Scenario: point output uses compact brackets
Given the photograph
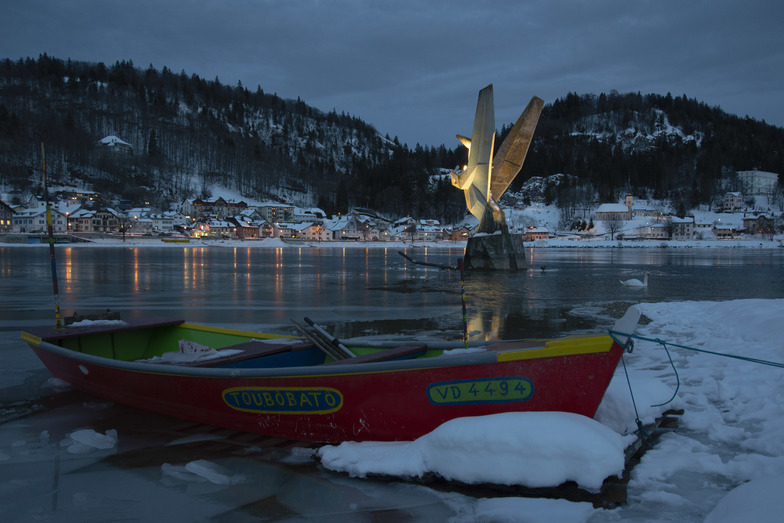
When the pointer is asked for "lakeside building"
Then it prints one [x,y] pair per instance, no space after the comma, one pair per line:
[348,228]
[291,229]
[460,233]
[214,208]
[78,197]
[758,224]
[757,182]
[535,233]
[612,211]
[724,232]
[34,221]
[682,228]
[616,211]
[213,228]
[80,220]
[276,212]
[93,220]
[658,231]
[115,145]
[311,214]
[733,201]
[6,216]
[245,228]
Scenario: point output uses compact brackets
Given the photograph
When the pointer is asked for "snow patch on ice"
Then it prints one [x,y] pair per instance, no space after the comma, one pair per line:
[202,470]
[87,440]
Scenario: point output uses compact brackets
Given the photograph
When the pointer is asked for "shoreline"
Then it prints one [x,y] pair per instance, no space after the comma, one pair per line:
[276,243]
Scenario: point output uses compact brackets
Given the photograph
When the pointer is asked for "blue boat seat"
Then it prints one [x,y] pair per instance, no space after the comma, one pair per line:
[253,349]
[395,353]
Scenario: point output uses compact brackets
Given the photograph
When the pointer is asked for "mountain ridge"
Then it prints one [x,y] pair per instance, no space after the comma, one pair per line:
[189,134]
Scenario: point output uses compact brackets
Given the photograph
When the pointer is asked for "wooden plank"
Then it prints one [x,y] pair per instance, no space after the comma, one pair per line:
[50,333]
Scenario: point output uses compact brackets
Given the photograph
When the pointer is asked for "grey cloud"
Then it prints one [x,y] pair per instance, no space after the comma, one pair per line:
[413,68]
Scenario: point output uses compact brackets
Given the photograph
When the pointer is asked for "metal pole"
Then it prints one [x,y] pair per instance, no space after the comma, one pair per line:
[461,268]
[50,231]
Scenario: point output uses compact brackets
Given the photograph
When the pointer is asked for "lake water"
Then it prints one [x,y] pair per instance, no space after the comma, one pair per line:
[374,291]
[352,292]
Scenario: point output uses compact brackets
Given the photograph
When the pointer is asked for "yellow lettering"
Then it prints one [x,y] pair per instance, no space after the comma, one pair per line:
[305,401]
[330,399]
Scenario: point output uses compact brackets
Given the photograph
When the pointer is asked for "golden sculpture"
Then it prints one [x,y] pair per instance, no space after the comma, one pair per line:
[487,176]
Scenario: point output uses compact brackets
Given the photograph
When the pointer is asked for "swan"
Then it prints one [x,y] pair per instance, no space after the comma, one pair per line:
[635,282]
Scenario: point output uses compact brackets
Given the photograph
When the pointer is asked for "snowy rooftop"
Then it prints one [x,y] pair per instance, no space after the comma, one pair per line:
[112,141]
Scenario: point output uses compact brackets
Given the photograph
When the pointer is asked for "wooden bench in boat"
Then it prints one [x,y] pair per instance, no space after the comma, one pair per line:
[395,353]
[74,331]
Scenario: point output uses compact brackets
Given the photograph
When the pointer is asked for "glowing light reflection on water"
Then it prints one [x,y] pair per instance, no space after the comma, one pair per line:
[357,291]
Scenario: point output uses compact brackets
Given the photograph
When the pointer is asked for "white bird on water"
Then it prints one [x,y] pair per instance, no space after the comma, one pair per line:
[634,282]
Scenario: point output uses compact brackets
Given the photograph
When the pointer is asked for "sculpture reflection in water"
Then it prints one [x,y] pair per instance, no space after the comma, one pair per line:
[486,177]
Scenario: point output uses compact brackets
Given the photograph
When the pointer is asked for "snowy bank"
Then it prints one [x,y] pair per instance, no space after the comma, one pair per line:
[732,431]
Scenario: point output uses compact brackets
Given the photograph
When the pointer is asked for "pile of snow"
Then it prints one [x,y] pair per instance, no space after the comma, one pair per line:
[190,352]
[93,323]
[535,449]
[758,500]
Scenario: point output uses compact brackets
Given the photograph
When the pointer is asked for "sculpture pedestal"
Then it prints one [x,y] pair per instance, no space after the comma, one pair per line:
[495,252]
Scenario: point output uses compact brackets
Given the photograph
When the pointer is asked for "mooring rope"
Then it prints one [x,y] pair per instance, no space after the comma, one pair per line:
[661,342]
[643,434]
[677,378]
[628,347]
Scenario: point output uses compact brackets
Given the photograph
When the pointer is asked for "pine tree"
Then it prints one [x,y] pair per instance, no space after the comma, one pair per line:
[152,147]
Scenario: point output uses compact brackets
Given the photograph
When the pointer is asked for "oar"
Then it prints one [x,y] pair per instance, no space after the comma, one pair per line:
[321,344]
[331,339]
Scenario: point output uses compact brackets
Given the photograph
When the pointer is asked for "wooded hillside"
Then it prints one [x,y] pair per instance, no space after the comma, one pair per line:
[188,133]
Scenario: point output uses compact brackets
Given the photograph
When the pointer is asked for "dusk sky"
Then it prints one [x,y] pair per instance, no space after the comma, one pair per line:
[413,69]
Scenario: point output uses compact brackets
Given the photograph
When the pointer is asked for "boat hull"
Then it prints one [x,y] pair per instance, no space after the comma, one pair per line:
[333,403]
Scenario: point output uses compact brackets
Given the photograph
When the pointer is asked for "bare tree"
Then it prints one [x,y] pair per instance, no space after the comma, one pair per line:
[613,224]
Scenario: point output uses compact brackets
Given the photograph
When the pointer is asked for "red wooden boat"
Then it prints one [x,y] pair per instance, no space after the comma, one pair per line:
[311,389]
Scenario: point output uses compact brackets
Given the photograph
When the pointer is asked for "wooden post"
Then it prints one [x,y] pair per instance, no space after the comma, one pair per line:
[50,231]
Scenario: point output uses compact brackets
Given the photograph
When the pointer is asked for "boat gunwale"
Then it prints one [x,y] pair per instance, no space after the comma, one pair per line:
[477,358]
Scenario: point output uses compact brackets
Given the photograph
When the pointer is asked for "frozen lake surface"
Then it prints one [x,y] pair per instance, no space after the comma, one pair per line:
[161,468]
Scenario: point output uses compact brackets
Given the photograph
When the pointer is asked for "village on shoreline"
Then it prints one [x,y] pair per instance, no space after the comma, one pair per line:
[75,218]
[277,243]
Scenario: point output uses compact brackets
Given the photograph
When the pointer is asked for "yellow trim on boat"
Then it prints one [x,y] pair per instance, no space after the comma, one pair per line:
[29,338]
[567,346]
[221,330]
